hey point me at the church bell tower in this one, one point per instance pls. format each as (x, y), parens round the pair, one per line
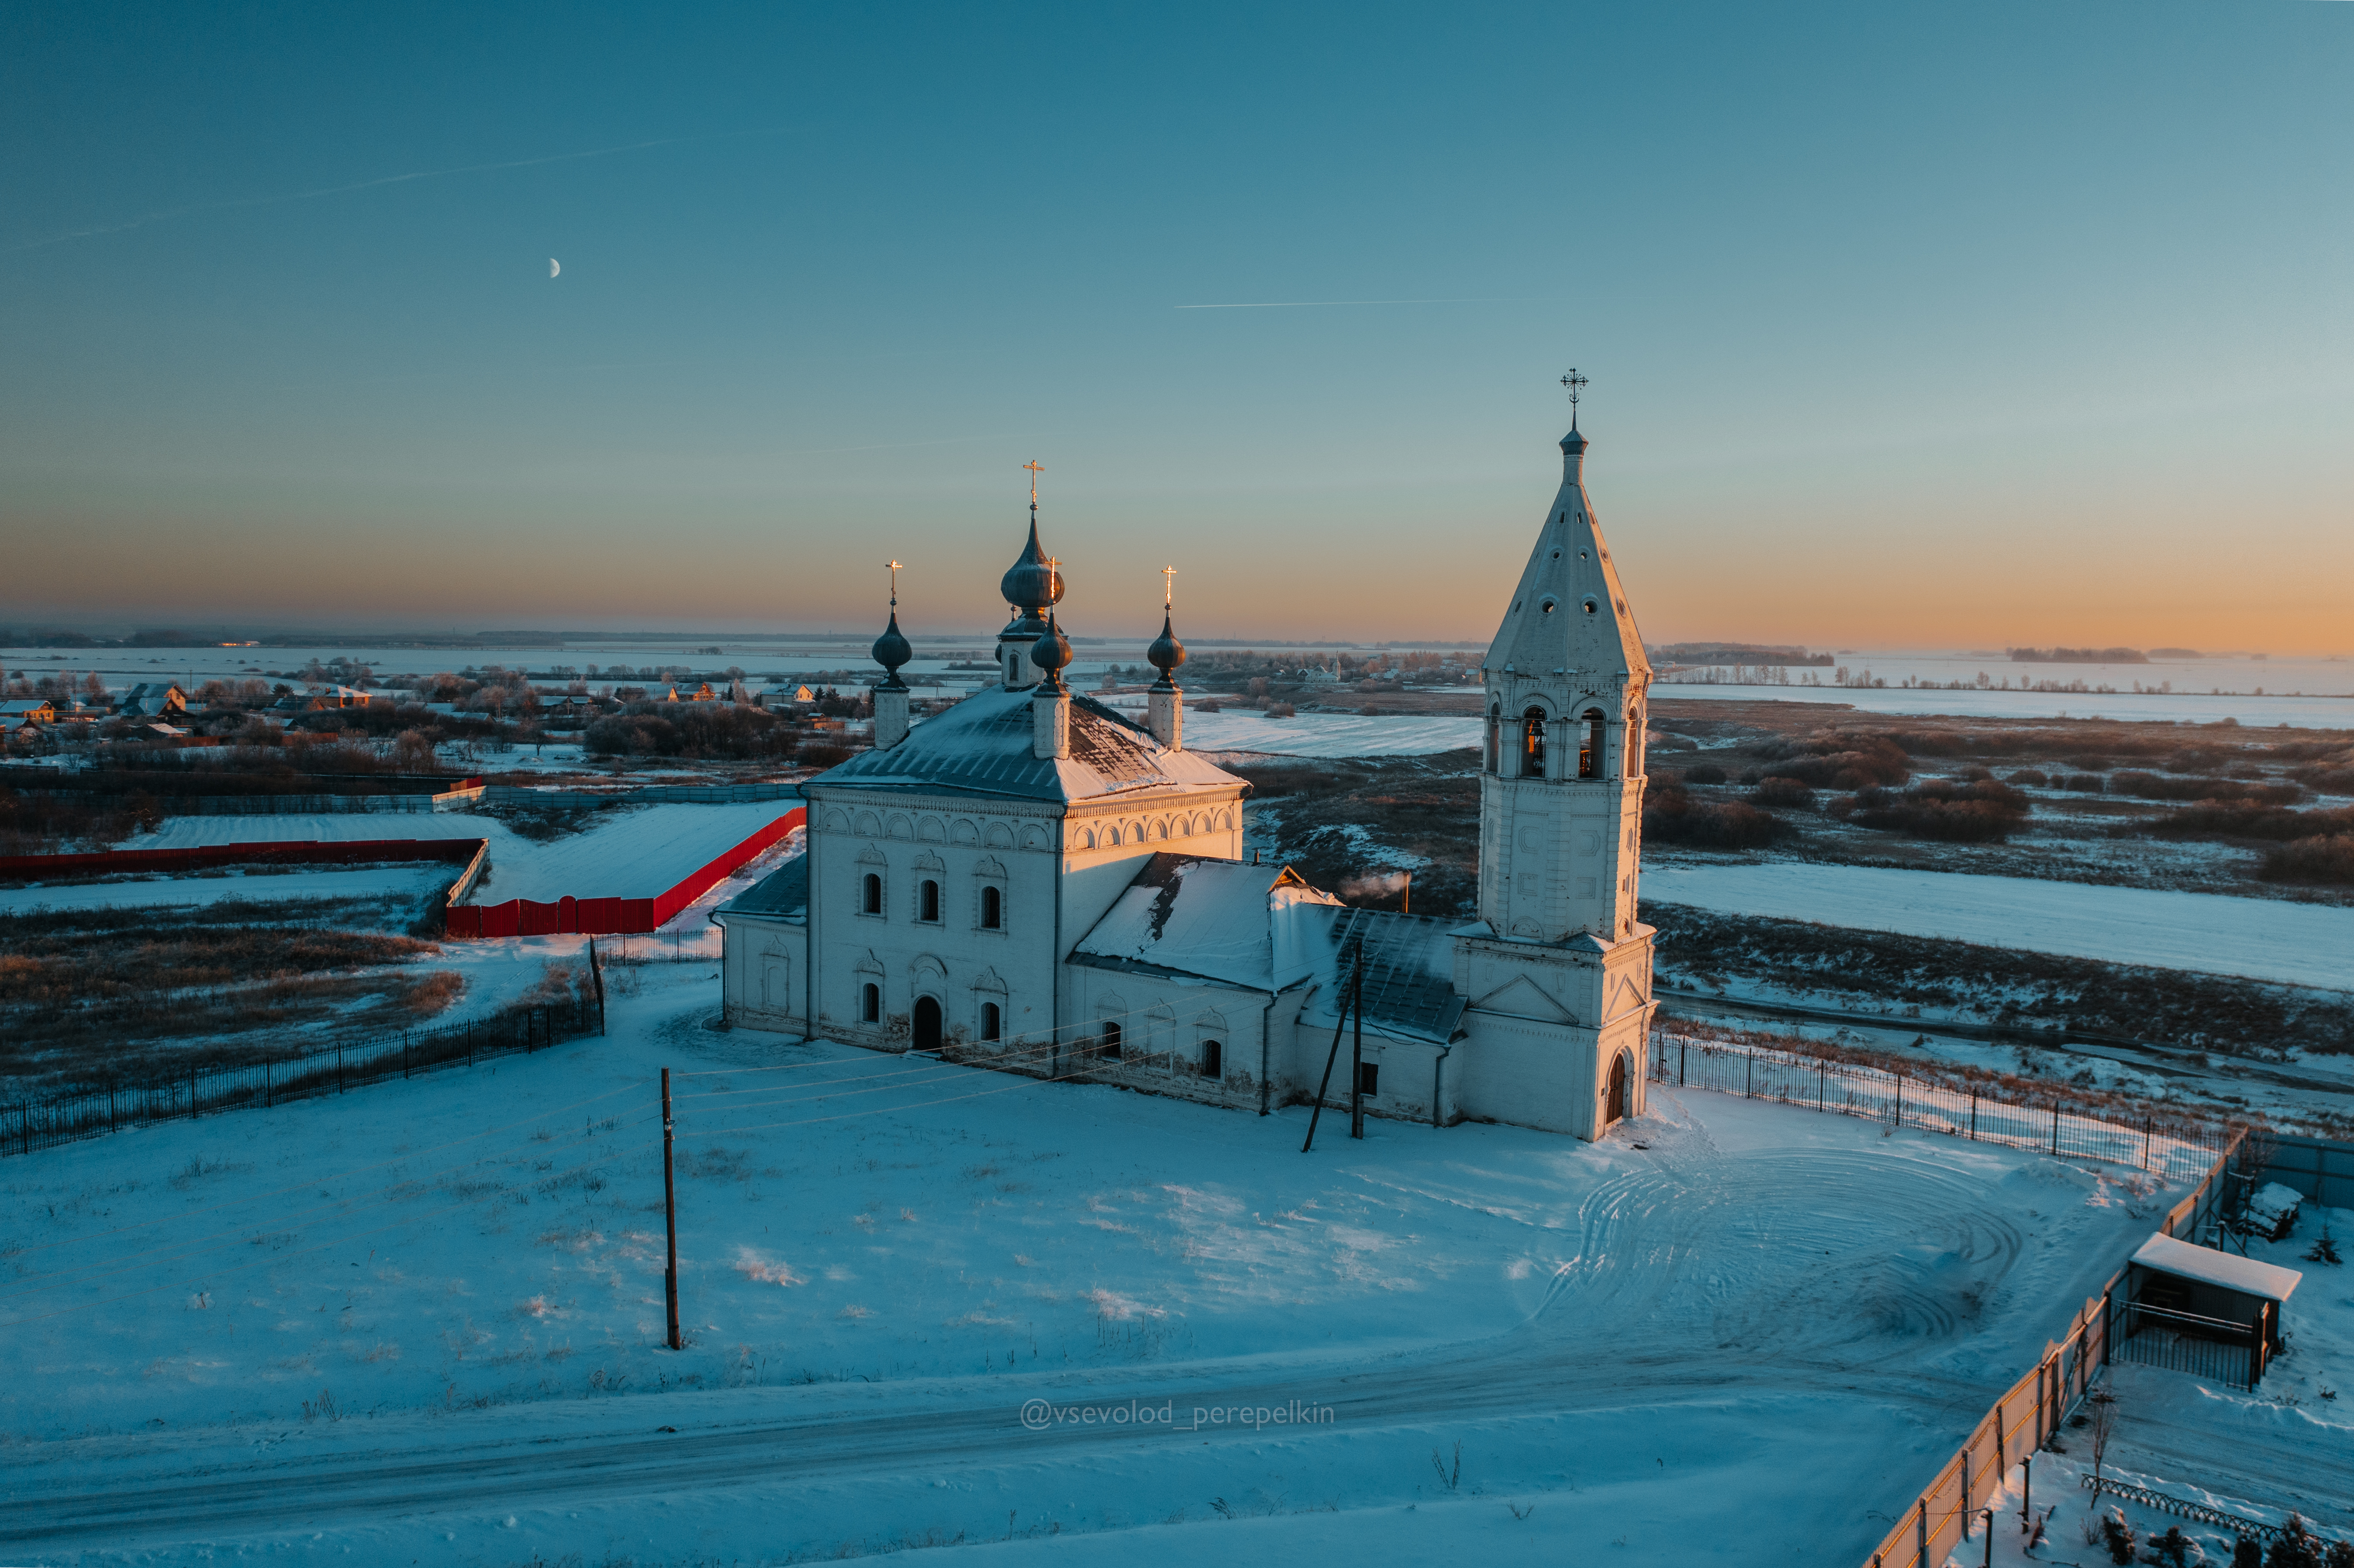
(1561, 816)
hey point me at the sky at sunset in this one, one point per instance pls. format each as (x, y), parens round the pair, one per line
(1908, 325)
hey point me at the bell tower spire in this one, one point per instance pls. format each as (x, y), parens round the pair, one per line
(1561, 797)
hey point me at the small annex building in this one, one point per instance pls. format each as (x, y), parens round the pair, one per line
(1037, 881)
(2202, 1309)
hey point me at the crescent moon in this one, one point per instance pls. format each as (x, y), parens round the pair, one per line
(554, 267)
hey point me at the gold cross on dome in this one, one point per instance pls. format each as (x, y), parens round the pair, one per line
(895, 582)
(1036, 469)
(1168, 587)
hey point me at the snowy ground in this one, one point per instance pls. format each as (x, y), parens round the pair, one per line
(635, 852)
(2261, 712)
(407, 884)
(423, 1321)
(2287, 1446)
(1328, 735)
(2301, 943)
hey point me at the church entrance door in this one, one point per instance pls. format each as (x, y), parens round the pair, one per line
(927, 1023)
(1615, 1108)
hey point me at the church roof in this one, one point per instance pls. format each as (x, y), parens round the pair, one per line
(1222, 920)
(784, 892)
(1549, 626)
(1409, 969)
(984, 744)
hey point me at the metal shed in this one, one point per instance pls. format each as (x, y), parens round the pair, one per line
(2214, 1314)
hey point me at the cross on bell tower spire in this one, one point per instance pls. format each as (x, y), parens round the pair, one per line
(1576, 384)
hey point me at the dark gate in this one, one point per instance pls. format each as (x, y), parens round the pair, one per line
(927, 1023)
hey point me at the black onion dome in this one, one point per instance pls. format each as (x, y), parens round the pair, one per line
(1051, 653)
(1166, 653)
(891, 651)
(1029, 583)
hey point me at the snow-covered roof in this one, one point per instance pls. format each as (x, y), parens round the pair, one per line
(984, 744)
(2209, 1267)
(1220, 919)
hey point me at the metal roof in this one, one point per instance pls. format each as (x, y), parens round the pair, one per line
(783, 892)
(1409, 969)
(984, 744)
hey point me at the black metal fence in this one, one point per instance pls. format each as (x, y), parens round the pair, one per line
(327, 1069)
(2179, 1150)
(2209, 1348)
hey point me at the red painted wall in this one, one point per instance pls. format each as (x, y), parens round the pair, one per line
(526, 917)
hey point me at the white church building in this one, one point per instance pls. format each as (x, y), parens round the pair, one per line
(1033, 882)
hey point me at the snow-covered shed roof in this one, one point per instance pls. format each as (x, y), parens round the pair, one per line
(784, 892)
(984, 744)
(1409, 969)
(1220, 920)
(2209, 1267)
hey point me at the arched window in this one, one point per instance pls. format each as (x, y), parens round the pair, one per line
(871, 901)
(992, 1021)
(928, 902)
(1111, 1039)
(1532, 744)
(1492, 761)
(1214, 1059)
(1589, 745)
(993, 912)
(870, 1004)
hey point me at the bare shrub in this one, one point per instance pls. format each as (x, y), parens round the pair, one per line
(1975, 812)
(1780, 791)
(2328, 861)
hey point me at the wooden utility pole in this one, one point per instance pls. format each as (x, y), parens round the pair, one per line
(670, 1218)
(1331, 1057)
(597, 973)
(1357, 1051)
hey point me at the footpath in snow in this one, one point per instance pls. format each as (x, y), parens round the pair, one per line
(425, 1320)
(2296, 944)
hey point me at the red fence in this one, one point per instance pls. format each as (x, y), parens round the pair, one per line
(526, 917)
(293, 851)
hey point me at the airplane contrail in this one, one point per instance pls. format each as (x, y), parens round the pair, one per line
(1300, 304)
(168, 213)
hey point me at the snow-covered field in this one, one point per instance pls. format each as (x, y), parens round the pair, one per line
(1328, 735)
(2262, 712)
(424, 1321)
(632, 853)
(2301, 943)
(406, 883)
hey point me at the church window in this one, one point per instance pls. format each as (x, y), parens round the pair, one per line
(871, 901)
(992, 1021)
(928, 902)
(1214, 1059)
(1369, 1078)
(1548, 607)
(992, 909)
(1592, 605)
(1111, 1039)
(1589, 746)
(1532, 742)
(870, 1002)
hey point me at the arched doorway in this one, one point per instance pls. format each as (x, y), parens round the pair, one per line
(1614, 1107)
(927, 1023)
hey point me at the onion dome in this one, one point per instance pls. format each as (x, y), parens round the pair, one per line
(1031, 583)
(1166, 653)
(891, 651)
(1051, 653)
